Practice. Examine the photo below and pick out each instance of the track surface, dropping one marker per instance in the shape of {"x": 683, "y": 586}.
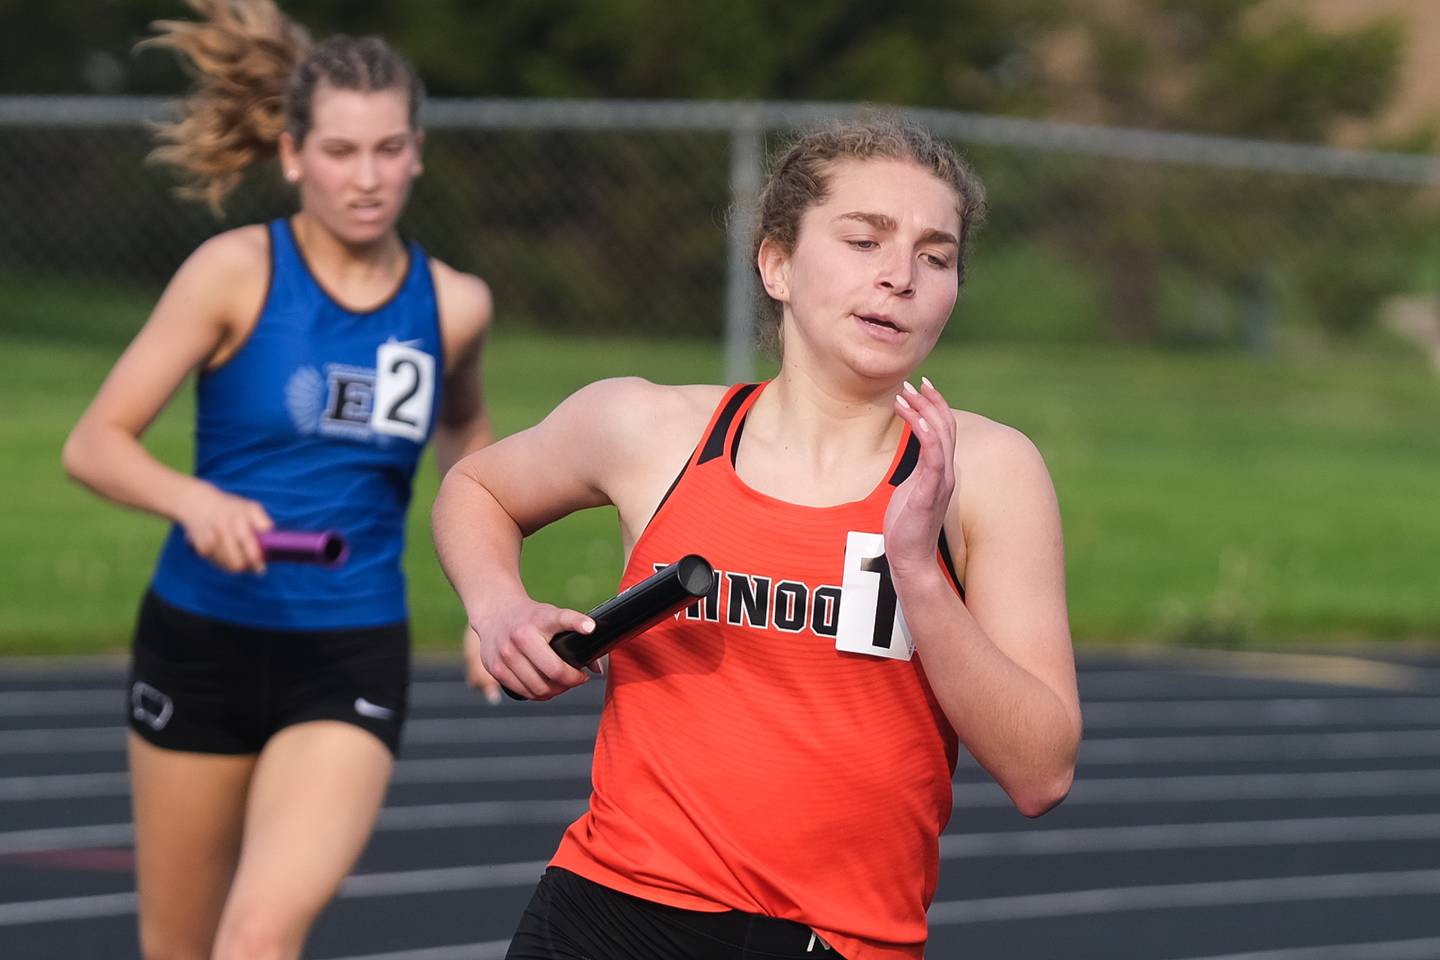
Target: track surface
{"x": 1228, "y": 807}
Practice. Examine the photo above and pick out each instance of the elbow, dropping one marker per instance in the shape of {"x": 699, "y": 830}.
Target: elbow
{"x": 73, "y": 456}
{"x": 1039, "y": 798}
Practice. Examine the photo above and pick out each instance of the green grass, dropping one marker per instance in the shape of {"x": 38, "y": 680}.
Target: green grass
{"x": 1207, "y": 497}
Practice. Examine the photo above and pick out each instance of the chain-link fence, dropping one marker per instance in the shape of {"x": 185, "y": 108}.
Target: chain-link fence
{"x": 611, "y": 217}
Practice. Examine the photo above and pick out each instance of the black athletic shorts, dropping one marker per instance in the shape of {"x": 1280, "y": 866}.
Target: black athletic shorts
{"x": 209, "y": 686}
{"x": 572, "y": 918}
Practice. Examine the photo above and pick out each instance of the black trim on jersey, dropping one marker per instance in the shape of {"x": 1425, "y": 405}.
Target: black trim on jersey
{"x": 399, "y": 288}
{"x": 735, "y": 441}
{"x": 950, "y": 565}
{"x": 908, "y": 459}
{"x": 715, "y": 442}
{"x": 673, "y": 484}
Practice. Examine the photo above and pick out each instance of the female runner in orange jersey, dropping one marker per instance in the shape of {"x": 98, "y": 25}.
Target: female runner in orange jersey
{"x": 773, "y": 766}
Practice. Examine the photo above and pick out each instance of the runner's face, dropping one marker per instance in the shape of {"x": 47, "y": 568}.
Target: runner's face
{"x": 874, "y": 273}
{"x": 357, "y": 162}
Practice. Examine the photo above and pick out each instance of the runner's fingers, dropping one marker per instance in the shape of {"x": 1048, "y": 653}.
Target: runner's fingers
{"x": 227, "y": 551}
{"x": 533, "y": 644}
{"x": 930, "y": 402}
{"x": 565, "y": 619}
{"x": 918, "y": 411}
{"x": 259, "y": 520}
{"x": 517, "y": 672}
{"x": 246, "y": 544}
{"x": 939, "y": 416}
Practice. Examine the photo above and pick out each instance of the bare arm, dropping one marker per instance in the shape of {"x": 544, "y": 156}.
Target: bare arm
{"x": 1000, "y": 662}
{"x": 601, "y": 446}
{"x": 466, "y": 311}
{"x": 205, "y": 308}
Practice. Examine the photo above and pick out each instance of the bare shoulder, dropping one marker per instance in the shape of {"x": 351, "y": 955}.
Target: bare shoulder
{"x": 465, "y": 303}
{"x": 984, "y": 441}
{"x": 241, "y": 252}
{"x": 644, "y": 412}
{"x": 220, "y": 287}
{"x": 634, "y": 436}
{"x": 993, "y": 461}
{"x": 242, "y": 248}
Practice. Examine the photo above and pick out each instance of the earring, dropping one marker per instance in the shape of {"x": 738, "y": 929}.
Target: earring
{"x": 292, "y": 175}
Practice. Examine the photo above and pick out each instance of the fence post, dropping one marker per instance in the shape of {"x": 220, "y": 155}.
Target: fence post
{"x": 1259, "y": 313}
{"x": 746, "y": 151}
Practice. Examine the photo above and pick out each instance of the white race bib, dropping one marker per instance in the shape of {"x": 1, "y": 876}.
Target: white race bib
{"x": 871, "y": 621}
{"x": 404, "y": 389}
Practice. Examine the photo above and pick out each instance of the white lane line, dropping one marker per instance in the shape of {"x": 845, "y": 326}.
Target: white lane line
{"x": 579, "y": 727}
{"x": 52, "y": 703}
{"x": 489, "y": 950}
{"x": 1380, "y": 744}
{"x": 1308, "y": 831}
{"x": 503, "y": 729}
{"x": 1010, "y": 843}
{"x": 1270, "y": 712}
{"x": 443, "y": 879}
{"x": 73, "y": 740}
{"x": 67, "y": 838}
{"x": 88, "y": 701}
{"x": 1247, "y": 786}
{"x": 1273, "y": 666}
{"x": 67, "y": 908}
{"x": 967, "y": 795}
{"x": 547, "y": 766}
{"x": 435, "y": 816}
{"x": 1220, "y": 787}
{"x": 1262, "y": 746}
{"x": 1102, "y": 713}
{"x": 358, "y": 886}
{"x": 1348, "y": 886}
{"x": 1343, "y": 886}
{"x": 479, "y": 813}
{"x": 455, "y": 770}
{"x": 1427, "y": 949}
{"x": 65, "y": 786}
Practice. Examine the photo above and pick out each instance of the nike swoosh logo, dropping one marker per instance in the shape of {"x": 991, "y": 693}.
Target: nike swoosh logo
{"x": 373, "y": 710}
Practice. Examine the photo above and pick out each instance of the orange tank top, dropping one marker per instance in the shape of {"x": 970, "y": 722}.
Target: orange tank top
{"x": 742, "y": 761}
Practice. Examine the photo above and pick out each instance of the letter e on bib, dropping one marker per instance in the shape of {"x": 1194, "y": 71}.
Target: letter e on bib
{"x": 871, "y": 621}
{"x": 404, "y": 389}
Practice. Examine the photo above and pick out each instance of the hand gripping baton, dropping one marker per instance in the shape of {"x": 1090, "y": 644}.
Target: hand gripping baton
{"x": 634, "y": 611}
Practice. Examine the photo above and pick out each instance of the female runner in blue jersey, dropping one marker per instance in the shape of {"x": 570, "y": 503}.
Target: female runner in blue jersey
{"x": 266, "y": 701}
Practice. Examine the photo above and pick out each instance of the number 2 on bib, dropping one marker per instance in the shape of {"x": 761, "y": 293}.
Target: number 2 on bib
{"x": 871, "y": 621}
{"x": 404, "y": 390}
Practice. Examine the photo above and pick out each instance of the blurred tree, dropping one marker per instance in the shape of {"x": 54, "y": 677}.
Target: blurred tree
{"x": 1234, "y": 67}
{"x": 966, "y": 54}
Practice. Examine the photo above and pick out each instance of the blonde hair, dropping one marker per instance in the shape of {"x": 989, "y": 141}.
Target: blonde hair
{"x": 799, "y": 180}
{"x": 256, "y": 72}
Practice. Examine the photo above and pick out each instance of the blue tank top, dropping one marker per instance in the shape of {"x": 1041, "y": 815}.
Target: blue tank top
{"x": 320, "y": 417}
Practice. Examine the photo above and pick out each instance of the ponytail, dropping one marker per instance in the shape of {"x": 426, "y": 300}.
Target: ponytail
{"x": 243, "y": 54}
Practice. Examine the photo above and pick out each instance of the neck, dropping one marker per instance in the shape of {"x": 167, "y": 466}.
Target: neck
{"x": 827, "y": 419}
{"x": 328, "y": 252}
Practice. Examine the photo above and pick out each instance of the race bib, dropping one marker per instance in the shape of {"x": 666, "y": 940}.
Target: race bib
{"x": 871, "y": 621}
{"x": 404, "y": 389}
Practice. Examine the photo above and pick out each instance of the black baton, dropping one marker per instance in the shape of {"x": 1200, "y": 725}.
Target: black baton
{"x": 633, "y": 611}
